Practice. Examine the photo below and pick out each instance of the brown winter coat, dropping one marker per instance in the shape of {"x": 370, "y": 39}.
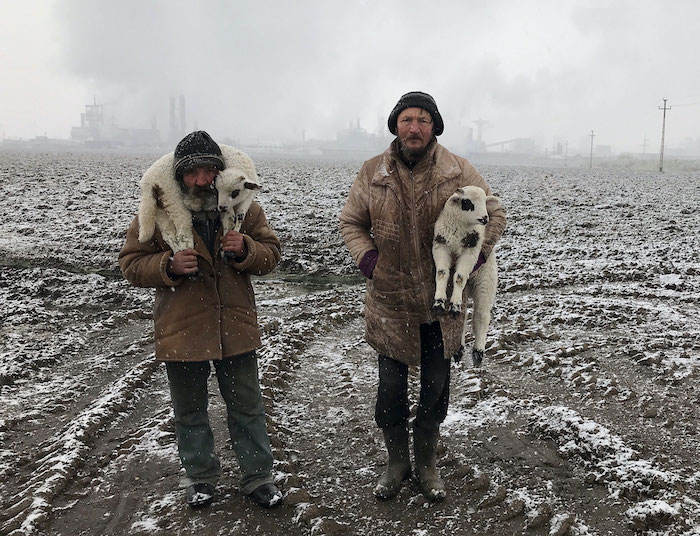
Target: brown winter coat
{"x": 212, "y": 315}
{"x": 393, "y": 210}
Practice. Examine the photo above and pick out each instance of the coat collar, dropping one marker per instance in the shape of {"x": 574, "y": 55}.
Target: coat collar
{"x": 439, "y": 163}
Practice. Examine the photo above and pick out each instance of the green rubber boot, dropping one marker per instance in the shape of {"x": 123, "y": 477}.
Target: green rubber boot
{"x": 425, "y": 451}
{"x": 399, "y": 467}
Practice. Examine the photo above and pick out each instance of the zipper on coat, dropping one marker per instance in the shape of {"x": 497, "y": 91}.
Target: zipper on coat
{"x": 416, "y": 241}
{"x": 211, "y": 240}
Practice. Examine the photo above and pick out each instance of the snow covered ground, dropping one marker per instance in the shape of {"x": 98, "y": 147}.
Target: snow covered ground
{"x": 584, "y": 419}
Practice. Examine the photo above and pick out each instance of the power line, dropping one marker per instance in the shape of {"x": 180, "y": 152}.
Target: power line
{"x": 688, "y": 97}
{"x": 689, "y": 104}
{"x": 663, "y": 133}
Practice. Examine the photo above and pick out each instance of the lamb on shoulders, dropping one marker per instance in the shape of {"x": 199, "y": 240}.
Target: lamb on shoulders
{"x": 162, "y": 206}
{"x": 457, "y": 241}
{"x": 236, "y": 187}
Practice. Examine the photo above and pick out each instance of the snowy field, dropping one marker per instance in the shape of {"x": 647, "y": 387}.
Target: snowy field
{"x": 583, "y": 421}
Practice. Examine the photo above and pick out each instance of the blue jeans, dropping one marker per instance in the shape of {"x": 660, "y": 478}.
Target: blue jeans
{"x": 240, "y": 388}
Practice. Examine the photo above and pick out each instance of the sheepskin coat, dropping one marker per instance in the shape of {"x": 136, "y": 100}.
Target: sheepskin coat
{"x": 393, "y": 210}
{"x": 211, "y": 315}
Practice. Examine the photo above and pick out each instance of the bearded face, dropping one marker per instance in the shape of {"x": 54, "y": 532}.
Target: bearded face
{"x": 198, "y": 188}
{"x": 415, "y": 132}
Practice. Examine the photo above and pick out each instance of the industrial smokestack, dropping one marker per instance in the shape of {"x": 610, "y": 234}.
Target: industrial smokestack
{"x": 173, "y": 122}
{"x": 183, "y": 121}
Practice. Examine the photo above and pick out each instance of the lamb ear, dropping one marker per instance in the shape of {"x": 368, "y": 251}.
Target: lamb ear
{"x": 251, "y": 185}
{"x": 492, "y": 198}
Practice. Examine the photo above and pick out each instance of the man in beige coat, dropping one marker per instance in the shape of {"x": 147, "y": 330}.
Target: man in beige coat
{"x": 387, "y": 224}
{"x": 205, "y": 314}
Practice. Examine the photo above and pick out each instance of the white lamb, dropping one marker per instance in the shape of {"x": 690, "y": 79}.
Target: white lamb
{"x": 163, "y": 205}
{"x": 458, "y": 236}
{"x": 236, "y": 186}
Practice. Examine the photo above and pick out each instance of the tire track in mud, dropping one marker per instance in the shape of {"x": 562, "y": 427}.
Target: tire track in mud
{"x": 608, "y": 332}
{"x": 330, "y": 422}
{"x": 127, "y": 481}
{"x": 69, "y": 367}
{"x": 511, "y": 470}
{"x": 648, "y": 468}
{"x": 59, "y": 459}
{"x": 503, "y": 468}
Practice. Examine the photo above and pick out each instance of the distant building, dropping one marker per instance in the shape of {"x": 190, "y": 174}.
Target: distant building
{"x": 91, "y": 123}
{"x": 515, "y": 145}
{"x": 355, "y": 142}
{"x": 93, "y": 132}
{"x": 178, "y": 120}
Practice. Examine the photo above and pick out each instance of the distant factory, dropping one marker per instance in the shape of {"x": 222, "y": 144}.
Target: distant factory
{"x": 355, "y": 142}
{"x": 93, "y": 132}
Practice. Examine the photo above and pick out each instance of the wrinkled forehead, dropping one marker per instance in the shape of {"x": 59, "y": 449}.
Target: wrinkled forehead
{"x": 414, "y": 113}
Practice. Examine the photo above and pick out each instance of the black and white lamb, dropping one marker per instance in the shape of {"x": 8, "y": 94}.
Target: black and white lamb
{"x": 236, "y": 186}
{"x": 163, "y": 205}
{"x": 458, "y": 237}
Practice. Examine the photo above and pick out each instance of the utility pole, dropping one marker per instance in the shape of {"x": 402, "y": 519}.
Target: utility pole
{"x": 663, "y": 133}
{"x": 590, "y": 162}
{"x": 566, "y": 152}
{"x": 644, "y": 145}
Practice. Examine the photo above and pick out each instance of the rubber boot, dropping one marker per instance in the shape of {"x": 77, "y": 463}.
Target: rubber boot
{"x": 399, "y": 467}
{"x": 425, "y": 451}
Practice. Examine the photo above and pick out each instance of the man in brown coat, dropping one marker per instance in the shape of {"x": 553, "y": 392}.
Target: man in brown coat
{"x": 205, "y": 313}
{"x": 387, "y": 224}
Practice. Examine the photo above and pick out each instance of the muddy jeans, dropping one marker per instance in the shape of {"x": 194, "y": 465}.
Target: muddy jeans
{"x": 392, "y": 406}
{"x": 240, "y": 389}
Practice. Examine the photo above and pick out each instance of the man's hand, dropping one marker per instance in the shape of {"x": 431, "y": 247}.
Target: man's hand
{"x": 183, "y": 262}
{"x": 369, "y": 263}
{"x": 234, "y": 243}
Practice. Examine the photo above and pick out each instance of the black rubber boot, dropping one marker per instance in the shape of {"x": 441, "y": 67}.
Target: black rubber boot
{"x": 425, "y": 451}
{"x": 399, "y": 467}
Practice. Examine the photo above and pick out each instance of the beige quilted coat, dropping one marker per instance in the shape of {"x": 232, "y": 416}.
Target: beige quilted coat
{"x": 393, "y": 210}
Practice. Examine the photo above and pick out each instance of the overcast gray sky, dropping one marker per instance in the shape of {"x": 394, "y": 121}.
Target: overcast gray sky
{"x": 266, "y": 70}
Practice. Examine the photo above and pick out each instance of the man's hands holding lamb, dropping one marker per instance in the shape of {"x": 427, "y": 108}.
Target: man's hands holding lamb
{"x": 369, "y": 263}
{"x": 233, "y": 244}
{"x": 183, "y": 262}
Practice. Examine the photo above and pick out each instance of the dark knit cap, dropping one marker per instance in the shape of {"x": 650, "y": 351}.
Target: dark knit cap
{"x": 416, "y": 99}
{"x": 197, "y": 149}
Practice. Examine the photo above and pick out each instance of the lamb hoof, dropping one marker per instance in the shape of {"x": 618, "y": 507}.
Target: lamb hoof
{"x": 439, "y": 306}
{"x": 459, "y": 354}
{"x": 477, "y": 357}
{"x": 455, "y": 310}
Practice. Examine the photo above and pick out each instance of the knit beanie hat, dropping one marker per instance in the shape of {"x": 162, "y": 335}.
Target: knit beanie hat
{"x": 195, "y": 150}
{"x": 416, "y": 99}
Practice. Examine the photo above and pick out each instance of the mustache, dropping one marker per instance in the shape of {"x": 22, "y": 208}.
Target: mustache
{"x": 201, "y": 190}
